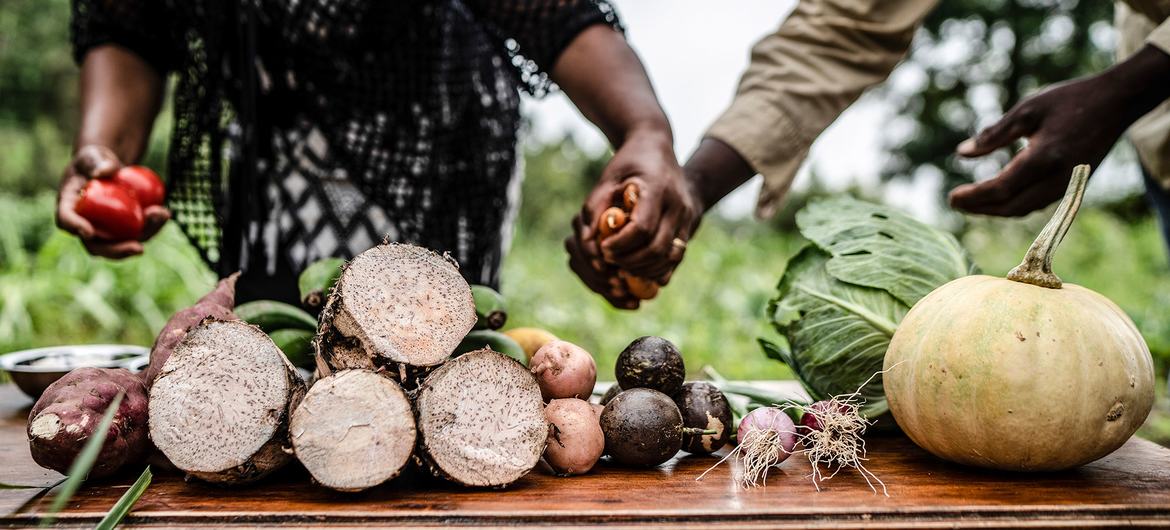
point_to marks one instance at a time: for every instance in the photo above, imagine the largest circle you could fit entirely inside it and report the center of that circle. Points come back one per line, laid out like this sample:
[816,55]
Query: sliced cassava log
[480,420]
[354,430]
[219,408]
[395,305]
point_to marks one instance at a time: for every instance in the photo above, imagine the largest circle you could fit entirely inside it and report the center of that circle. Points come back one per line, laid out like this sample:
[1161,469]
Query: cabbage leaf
[842,297]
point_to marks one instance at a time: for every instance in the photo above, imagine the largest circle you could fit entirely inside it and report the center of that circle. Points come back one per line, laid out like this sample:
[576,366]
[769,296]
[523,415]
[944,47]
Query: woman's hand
[646,246]
[1074,123]
[94,161]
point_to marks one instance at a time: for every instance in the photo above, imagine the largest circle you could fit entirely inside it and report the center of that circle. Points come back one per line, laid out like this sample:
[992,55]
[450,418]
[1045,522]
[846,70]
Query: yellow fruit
[530,339]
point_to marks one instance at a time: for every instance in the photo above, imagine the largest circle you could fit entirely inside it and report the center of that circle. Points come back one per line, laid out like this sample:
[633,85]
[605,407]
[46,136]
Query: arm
[604,78]
[574,42]
[120,97]
[824,55]
[1074,123]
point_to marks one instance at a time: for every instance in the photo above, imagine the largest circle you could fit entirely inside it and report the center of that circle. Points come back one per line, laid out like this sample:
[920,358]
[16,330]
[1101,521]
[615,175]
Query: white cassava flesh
[481,420]
[396,303]
[219,408]
[354,430]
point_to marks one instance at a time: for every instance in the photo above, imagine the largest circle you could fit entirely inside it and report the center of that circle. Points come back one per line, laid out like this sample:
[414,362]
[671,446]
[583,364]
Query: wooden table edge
[973,516]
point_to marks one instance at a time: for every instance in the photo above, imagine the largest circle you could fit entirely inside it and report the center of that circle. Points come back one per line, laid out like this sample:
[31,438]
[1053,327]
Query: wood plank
[1131,486]
[18,468]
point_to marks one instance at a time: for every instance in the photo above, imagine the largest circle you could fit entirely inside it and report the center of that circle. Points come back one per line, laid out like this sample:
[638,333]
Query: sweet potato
[70,409]
[64,417]
[218,304]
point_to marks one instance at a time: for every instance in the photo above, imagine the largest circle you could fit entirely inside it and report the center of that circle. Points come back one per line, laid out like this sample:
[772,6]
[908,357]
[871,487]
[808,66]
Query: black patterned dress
[313,128]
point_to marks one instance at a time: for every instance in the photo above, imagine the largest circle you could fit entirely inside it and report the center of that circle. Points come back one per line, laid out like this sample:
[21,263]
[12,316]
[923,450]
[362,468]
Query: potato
[564,370]
[575,440]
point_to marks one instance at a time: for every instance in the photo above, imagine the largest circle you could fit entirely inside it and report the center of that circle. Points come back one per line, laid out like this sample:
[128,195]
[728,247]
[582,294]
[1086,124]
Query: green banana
[297,345]
[317,279]
[489,308]
[486,338]
[270,315]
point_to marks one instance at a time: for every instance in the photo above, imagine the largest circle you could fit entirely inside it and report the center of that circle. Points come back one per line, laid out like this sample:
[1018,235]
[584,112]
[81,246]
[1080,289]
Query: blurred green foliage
[53,292]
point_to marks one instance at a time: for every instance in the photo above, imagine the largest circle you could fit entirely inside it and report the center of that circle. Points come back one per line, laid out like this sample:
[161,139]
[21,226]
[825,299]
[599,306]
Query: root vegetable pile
[403,378]
[221,401]
[650,414]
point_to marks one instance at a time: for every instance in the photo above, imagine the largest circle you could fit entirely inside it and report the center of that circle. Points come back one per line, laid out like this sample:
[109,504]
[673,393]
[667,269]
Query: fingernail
[967,147]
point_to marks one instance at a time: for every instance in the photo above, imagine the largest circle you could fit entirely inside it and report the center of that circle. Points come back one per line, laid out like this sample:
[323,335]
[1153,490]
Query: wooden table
[1130,487]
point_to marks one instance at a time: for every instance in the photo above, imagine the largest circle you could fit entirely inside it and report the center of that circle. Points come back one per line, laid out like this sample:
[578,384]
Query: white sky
[695,51]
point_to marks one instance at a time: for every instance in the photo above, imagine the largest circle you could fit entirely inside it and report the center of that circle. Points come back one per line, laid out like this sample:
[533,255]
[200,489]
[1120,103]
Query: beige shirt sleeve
[825,54]
[1150,135]
[1160,37]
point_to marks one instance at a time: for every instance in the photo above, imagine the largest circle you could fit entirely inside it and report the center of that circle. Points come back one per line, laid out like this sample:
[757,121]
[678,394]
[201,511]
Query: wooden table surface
[1130,487]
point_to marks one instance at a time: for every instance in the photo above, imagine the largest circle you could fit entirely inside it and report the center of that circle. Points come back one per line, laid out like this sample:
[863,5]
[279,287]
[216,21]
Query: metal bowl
[34,370]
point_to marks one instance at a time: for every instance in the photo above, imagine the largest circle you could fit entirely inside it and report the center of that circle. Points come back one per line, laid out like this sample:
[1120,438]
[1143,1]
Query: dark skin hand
[120,97]
[1072,123]
[713,171]
[602,75]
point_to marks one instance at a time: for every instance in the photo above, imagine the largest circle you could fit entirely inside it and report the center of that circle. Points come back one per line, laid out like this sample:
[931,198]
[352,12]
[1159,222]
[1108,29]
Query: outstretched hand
[99,162]
[1070,124]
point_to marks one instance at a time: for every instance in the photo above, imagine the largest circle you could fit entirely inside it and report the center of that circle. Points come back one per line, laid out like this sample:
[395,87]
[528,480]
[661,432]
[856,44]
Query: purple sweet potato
[218,304]
[70,409]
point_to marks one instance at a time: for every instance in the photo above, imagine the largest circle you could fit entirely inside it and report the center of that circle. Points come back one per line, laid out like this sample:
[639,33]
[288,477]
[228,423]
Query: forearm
[714,170]
[1142,81]
[120,97]
[603,77]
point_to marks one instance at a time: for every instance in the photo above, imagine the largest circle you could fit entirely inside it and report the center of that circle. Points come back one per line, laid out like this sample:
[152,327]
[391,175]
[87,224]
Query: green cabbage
[842,296]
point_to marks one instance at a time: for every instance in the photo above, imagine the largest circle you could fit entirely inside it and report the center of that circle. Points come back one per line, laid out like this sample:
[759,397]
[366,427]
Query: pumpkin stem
[1036,268]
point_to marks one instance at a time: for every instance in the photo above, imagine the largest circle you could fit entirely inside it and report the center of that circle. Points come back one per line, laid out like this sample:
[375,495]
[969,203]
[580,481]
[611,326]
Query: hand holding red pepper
[111,207]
